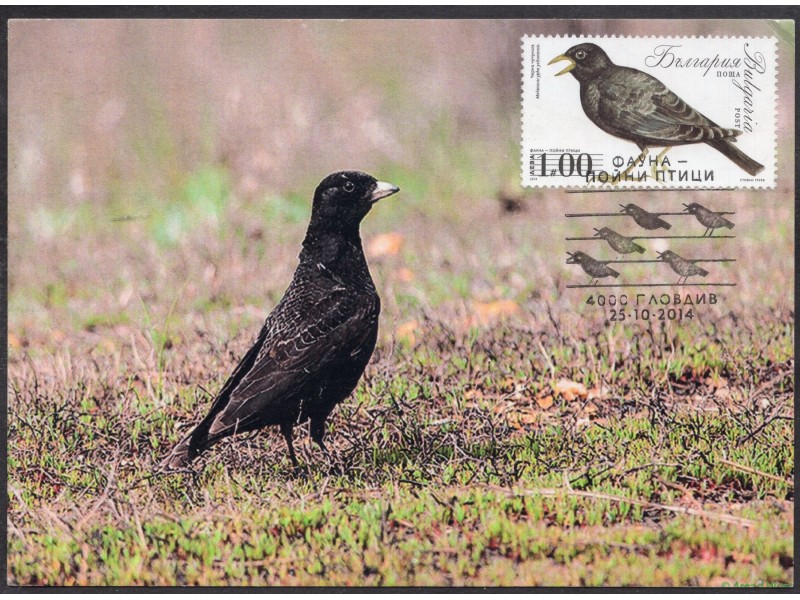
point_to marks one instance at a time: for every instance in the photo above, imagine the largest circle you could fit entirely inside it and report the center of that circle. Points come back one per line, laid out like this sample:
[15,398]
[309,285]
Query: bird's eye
[580,55]
[349,186]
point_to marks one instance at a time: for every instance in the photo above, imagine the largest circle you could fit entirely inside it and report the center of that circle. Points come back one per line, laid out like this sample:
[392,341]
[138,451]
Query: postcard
[428,300]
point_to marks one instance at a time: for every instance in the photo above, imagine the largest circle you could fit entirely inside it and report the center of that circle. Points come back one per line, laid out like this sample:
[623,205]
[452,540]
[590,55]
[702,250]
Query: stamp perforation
[722,174]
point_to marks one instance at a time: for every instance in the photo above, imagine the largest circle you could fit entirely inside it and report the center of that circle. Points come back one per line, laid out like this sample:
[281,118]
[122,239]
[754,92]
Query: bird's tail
[612,271]
[726,223]
[638,248]
[178,458]
[182,454]
[729,149]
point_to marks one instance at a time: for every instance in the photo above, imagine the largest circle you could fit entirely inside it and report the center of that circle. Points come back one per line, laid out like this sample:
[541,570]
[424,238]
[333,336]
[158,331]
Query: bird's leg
[632,166]
[286,430]
[709,232]
[658,167]
[318,433]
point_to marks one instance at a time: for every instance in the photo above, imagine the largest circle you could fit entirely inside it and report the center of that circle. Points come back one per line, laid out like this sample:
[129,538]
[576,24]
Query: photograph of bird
[618,242]
[596,269]
[707,217]
[316,343]
[684,268]
[635,106]
[644,219]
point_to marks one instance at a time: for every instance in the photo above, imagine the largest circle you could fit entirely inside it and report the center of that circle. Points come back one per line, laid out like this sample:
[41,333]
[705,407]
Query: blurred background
[166,167]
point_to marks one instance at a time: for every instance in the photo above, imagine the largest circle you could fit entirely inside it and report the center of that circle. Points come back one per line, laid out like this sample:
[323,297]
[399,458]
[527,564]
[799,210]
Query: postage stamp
[649,112]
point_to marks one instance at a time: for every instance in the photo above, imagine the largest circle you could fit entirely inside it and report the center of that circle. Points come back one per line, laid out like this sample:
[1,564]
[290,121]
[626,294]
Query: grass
[446,470]
[506,431]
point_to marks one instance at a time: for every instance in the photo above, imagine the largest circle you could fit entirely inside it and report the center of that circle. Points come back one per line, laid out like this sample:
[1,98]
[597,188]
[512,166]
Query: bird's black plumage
[643,218]
[633,105]
[710,219]
[620,243]
[596,269]
[683,267]
[316,343]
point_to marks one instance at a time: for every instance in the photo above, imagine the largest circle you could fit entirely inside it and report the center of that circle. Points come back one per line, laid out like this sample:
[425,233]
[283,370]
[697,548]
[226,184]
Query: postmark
[649,112]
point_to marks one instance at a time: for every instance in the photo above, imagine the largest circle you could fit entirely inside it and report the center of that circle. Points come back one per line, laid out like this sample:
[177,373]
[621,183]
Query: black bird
[684,268]
[635,106]
[712,220]
[596,269]
[316,343]
[643,218]
[618,242]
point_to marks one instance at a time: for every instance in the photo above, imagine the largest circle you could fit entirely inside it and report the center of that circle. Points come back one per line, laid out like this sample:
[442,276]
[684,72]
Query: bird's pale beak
[382,190]
[566,69]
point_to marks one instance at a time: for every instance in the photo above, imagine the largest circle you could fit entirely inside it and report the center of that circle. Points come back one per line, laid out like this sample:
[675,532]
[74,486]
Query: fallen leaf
[545,402]
[716,382]
[489,312]
[722,393]
[499,408]
[707,553]
[404,275]
[13,341]
[598,393]
[513,420]
[125,296]
[107,346]
[406,332]
[508,384]
[742,557]
[473,393]
[569,390]
[385,244]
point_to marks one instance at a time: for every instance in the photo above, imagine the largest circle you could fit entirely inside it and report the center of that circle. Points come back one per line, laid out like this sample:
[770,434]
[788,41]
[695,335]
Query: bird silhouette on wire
[316,343]
[596,269]
[643,218]
[683,267]
[620,243]
[707,217]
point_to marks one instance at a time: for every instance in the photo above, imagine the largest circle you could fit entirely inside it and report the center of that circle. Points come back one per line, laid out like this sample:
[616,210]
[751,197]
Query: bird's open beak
[382,190]
[596,231]
[624,208]
[660,255]
[566,69]
[686,208]
[571,259]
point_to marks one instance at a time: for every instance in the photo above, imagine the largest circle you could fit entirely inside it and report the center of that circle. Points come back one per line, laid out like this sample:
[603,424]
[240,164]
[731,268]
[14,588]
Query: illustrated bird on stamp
[697,112]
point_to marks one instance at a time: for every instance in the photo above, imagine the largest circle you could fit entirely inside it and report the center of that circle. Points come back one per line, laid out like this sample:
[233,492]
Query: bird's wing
[636,104]
[305,333]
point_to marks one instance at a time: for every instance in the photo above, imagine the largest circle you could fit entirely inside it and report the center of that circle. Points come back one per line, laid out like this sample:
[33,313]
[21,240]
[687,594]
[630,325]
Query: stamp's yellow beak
[566,69]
